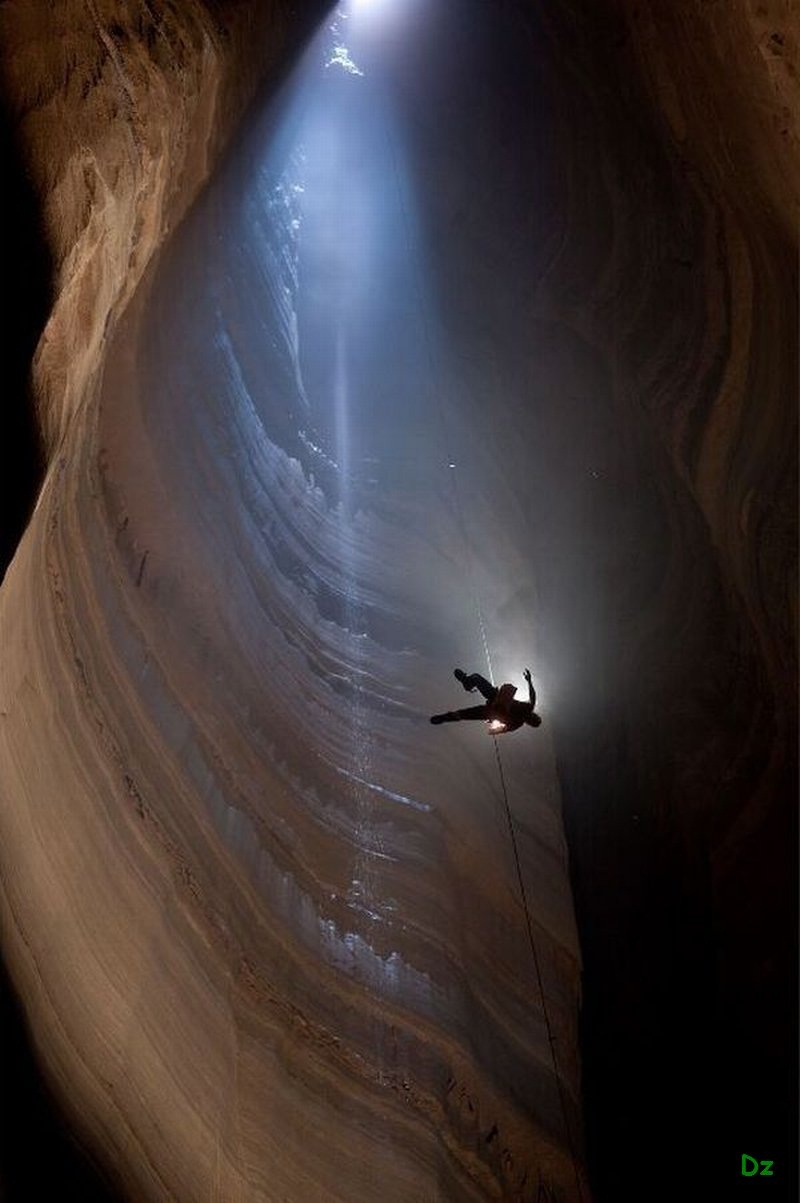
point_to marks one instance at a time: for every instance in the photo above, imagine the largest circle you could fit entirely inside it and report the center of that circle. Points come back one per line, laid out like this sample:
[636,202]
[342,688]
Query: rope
[551,1040]
[436,396]
[476,601]
[459,513]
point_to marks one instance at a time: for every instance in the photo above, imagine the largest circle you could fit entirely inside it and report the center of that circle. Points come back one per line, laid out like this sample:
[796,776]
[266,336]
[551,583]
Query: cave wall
[249,967]
[668,276]
[681,775]
[637,400]
[86,88]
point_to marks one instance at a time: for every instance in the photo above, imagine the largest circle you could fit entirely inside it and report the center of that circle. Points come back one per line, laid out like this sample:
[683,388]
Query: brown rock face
[285,952]
[89,86]
[533,399]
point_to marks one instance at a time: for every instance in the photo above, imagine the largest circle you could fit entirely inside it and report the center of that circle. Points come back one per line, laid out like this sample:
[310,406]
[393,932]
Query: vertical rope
[551,1040]
[438,406]
[458,510]
[476,601]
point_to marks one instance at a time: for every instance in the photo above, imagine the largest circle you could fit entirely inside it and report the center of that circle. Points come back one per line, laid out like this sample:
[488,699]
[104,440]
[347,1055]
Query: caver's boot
[461,676]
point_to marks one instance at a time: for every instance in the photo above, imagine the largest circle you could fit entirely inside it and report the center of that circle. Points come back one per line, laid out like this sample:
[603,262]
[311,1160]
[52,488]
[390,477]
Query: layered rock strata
[120,110]
[268,936]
